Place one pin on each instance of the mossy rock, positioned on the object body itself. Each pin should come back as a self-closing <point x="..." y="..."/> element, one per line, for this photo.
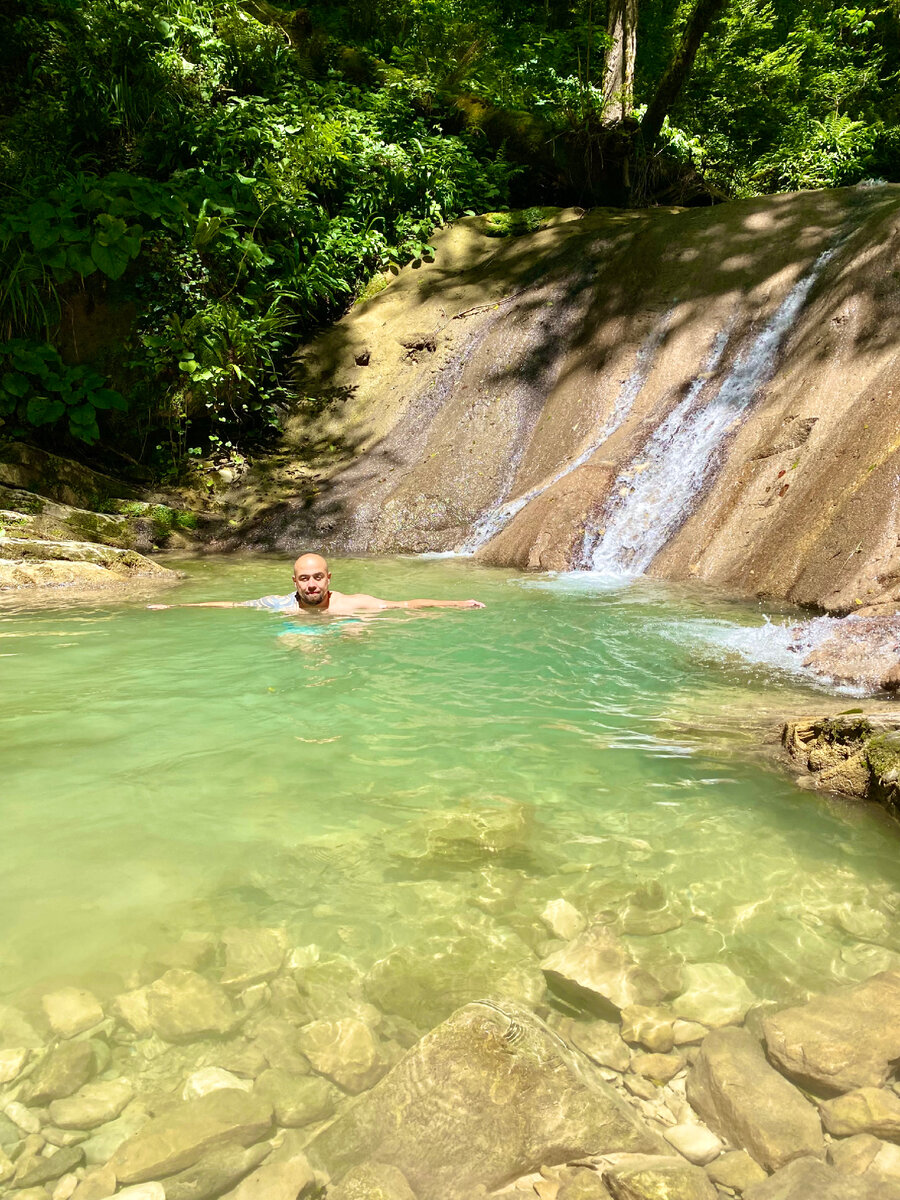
<point x="883" y="753"/>
<point x="518" y="221"/>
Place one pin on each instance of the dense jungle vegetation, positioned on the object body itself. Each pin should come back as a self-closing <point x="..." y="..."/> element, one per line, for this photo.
<point x="189" y="189"/>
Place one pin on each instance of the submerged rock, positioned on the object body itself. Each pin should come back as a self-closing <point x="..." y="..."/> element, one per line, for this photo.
<point x="215" y="1173"/>
<point x="187" y="1131"/>
<point x="868" y="1110"/>
<point x="373" y="1181"/>
<point x="95" y="1104"/>
<point x="61" y="1072"/>
<point x="298" y="1100"/>
<point x="288" y="1180"/>
<point x="735" y="1170"/>
<point x="743" y="1099"/>
<point x="72" y="1010"/>
<point x="487" y="1096"/>
<point x="596" y="973"/>
<point x="183" y="1005"/>
<point x="713" y="996"/>
<point x="648" y="1178"/>
<point x="346" y="1051"/>
<point x="252" y="955"/>
<point x="836" y="1043"/>
<point x="809" y="1179"/>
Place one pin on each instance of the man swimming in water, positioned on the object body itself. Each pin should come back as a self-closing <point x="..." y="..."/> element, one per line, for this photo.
<point x="313" y="594"/>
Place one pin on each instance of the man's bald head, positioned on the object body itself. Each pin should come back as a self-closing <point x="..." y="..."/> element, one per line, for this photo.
<point x="312" y="580"/>
<point x="310" y="562"/>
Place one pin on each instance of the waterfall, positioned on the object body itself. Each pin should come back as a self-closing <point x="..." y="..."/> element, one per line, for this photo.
<point x="490" y="523"/>
<point x="652" y="497"/>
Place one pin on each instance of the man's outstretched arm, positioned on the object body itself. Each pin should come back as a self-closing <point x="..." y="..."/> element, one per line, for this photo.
<point x="373" y="604"/>
<point x="204" y="604"/>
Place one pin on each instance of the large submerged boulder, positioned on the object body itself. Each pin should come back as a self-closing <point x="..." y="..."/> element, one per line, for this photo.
<point x="489" y="1095"/>
<point x="836" y="1043"/>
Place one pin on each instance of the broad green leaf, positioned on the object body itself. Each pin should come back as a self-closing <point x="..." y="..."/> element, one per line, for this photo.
<point x="15" y="384"/>
<point x="41" y="410"/>
<point x="109" y="260"/>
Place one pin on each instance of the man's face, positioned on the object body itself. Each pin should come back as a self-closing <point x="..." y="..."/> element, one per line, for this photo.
<point x="311" y="579"/>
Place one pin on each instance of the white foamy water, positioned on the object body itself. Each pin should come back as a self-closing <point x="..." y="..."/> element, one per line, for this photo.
<point x="490" y="524"/>
<point x="778" y="645"/>
<point x="652" y="497"/>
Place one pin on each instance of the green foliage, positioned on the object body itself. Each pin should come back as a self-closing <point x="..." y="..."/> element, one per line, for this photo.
<point x="236" y="174"/>
<point x="37" y="388"/>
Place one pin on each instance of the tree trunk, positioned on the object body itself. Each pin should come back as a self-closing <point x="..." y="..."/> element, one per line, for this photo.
<point x="675" y="75"/>
<point x="618" y="73"/>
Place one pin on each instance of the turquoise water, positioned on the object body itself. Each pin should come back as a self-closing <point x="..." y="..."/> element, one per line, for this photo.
<point x="422" y="780"/>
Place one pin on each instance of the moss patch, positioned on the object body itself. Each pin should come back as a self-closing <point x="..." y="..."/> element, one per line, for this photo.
<point x="517" y="221"/>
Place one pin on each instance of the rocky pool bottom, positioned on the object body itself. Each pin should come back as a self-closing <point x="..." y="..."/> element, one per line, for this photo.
<point x="243" y="1066"/>
<point x="475" y="898"/>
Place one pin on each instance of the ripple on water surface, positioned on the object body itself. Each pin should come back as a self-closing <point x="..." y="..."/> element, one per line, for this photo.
<point x="415" y="788"/>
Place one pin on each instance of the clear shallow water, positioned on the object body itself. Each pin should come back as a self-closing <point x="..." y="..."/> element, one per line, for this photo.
<point x="427" y="781"/>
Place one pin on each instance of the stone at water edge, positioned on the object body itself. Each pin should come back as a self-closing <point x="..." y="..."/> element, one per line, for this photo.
<point x="741" y="1097"/>
<point x="72" y="1010"/>
<point x="95" y="1104"/>
<point x="599" y="1040"/>
<point x="183" y="1005"/>
<point x="373" y="1181"/>
<point x="252" y="955"/>
<point x="487" y="1096"/>
<point x="61" y="1072"/>
<point x="97" y="1184"/>
<point x="652" y="1028"/>
<point x="216" y="1172"/>
<point x="713" y="996"/>
<point x="288" y="1180"/>
<point x="658" y="1067"/>
<point x="298" y="1100"/>
<point x="186" y="1132"/>
<point x="810" y="1179"/>
<point x="842" y="1041"/>
<point x="596" y="973"/>
<point x="346" y="1051"/>
<point x="30" y="1172"/>
<point x="209" y="1079"/>
<point x="698" y="1144"/>
<point x="868" y="1110"/>
<point x="563" y="919"/>
<point x="735" y="1170"/>
<point x="642" y="1177"/>
<point x="12" y="1062"/>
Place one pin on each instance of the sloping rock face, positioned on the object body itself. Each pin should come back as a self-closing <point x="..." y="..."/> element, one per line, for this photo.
<point x="489" y="1095"/>
<point x="535" y="372"/>
<point x="34" y="562"/>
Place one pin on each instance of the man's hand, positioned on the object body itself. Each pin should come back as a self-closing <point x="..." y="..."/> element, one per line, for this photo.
<point x="470" y="604"/>
<point x="159" y="605"/>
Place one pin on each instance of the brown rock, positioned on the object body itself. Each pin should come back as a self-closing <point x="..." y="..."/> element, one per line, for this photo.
<point x="868" y="1110"/>
<point x="187" y="1131"/>
<point x="34" y="1171"/>
<point x="596" y="973"/>
<point x="97" y="1184"/>
<point x="810" y="1179"/>
<point x="641" y="1177"/>
<point x="652" y="1028"/>
<point x="298" y="1100"/>
<point x="215" y="1173"/>
<point x="745" y="1101"/>
<point x="93" y="1105"/>
<point x="849" y="1039"/>
<point x="658" y="1067"/>
<point x="735" y="1170"/>
<point x="71" y="1010"/>
<point x="489" y="1095"/>
<point x="346" y="1051"/>
<point x="373" y="1181"/>
<point x="60" y="1073"/>
<point x="183" y="1006"/>
<point x="252" y="955"/>
<point x="277" y="1181"/>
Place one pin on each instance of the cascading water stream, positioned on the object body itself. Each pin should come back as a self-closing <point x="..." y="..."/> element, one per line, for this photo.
<point x="491" y="523"/>
<point x="653" y="496"/>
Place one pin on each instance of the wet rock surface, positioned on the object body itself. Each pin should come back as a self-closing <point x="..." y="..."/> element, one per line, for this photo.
<point x="836" y="1043"/>
<point x="855" y="755"/>
<point x="733" y="1088"/>
<point x="313" y="1074"/>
